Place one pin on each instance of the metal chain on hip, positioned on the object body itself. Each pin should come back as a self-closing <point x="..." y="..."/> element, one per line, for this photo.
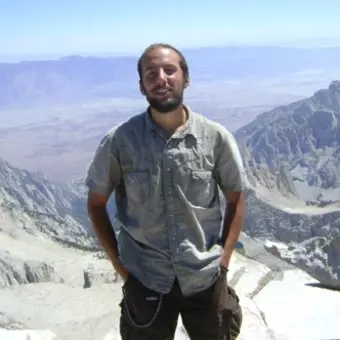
<point x="152" y="319"/>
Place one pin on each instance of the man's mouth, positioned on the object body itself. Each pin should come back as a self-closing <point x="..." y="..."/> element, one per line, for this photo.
<point x="161" y="92"/>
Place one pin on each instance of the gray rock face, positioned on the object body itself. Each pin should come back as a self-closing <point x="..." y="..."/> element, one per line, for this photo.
<point x="15" y="271"/>
<point x="39" y="206"/>
<point x="293" y="151"/>
<point x="304" y="137"/>
<point x="265" y="220"/>
<point x="95" y="274"/>
<point x="319" y="257"/>
<point x="313" y="239"/>
<point x="7" y="322"/>
<point x="259" y="175"/>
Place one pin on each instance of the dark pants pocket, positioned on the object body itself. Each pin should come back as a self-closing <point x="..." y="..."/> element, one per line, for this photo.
<point x="230" y="312"/>
<point x="213" y="314"/>
<point x="145" y="314"/>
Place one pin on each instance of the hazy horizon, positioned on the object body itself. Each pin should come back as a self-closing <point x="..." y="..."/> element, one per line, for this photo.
<point x="35" y="30"/>
<point x="324" y="43"/>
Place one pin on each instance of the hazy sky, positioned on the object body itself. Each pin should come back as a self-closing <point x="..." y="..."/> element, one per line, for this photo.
<point x="98" y="26"/>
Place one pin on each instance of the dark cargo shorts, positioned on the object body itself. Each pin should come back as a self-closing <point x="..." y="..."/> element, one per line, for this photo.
<point x="213" y="314"/>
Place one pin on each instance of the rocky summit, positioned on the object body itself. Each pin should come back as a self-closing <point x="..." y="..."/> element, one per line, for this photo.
<point x="267" y="292"/>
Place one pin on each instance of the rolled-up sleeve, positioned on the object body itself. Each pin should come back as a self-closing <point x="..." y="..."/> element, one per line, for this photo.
<point x="104" y="172"/>
<point x="229" y="167"/>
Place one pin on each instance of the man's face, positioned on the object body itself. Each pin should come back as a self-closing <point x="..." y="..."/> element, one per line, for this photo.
<point x="163" y="81"/>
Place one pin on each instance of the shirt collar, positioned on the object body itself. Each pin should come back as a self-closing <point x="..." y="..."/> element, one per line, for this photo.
<point x="189" y="127"/>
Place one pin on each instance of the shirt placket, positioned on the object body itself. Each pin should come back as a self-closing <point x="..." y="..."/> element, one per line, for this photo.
<point x="169" y="199"/>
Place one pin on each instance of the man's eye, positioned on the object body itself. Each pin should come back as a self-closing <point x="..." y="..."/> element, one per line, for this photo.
<point x="170" y="71"/>
<point x="151" y="74"/>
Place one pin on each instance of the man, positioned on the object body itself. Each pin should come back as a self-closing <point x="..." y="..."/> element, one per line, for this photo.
<point x="166" y="167"/>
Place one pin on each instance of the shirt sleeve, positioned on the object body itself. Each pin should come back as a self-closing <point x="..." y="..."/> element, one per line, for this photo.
<point x="104" y="172"/>
<point x="229" y="167"/>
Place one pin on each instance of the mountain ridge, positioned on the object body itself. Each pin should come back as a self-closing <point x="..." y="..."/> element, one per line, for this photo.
<point x="293" y="171"/>
<point x="42" y="207"/>
<point x="304" y="138"/>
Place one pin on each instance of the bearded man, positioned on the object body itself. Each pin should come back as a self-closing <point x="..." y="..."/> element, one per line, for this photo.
<point x="166" y="167"/>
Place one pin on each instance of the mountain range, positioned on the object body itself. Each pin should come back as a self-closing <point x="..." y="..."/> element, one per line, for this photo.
<point x="72" y="79"/>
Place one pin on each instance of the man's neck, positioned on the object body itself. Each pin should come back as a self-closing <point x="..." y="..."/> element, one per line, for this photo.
<point x="170" y="121"/>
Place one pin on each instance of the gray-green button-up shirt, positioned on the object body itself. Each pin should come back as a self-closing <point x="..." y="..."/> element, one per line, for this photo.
<point x="167" y="197"/>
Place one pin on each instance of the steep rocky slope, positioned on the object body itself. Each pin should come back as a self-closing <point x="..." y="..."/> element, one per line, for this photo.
<point x="303" y="137"/>
<point x="30" y="202"/>
<point x="292" y="160"/>
<point x="14" y="271"/>
<point x="33" y="209"/>
<point x="310" y="235"/>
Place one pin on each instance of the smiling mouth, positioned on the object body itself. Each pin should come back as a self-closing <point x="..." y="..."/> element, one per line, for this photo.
<point x="162" y="92"/>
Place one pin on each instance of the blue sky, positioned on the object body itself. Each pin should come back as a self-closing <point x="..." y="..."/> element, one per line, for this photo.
<point x="119" y="26"/>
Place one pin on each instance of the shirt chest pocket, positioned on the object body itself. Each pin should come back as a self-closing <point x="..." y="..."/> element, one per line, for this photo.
<point x="138" y="185"/>
<point x="198" y="185"/>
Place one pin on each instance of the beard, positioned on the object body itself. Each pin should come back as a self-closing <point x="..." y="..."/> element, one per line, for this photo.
<point x="167" y="105"/>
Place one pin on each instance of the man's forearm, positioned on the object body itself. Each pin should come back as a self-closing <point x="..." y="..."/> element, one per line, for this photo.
<point x="232" y="226"/>
<point x="104" y="231"/>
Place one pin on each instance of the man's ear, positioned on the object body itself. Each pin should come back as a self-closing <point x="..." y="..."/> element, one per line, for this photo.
<point x="186" y="81"/>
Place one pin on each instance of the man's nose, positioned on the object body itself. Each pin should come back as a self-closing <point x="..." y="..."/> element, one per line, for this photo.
<point x="161" y="76"/>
